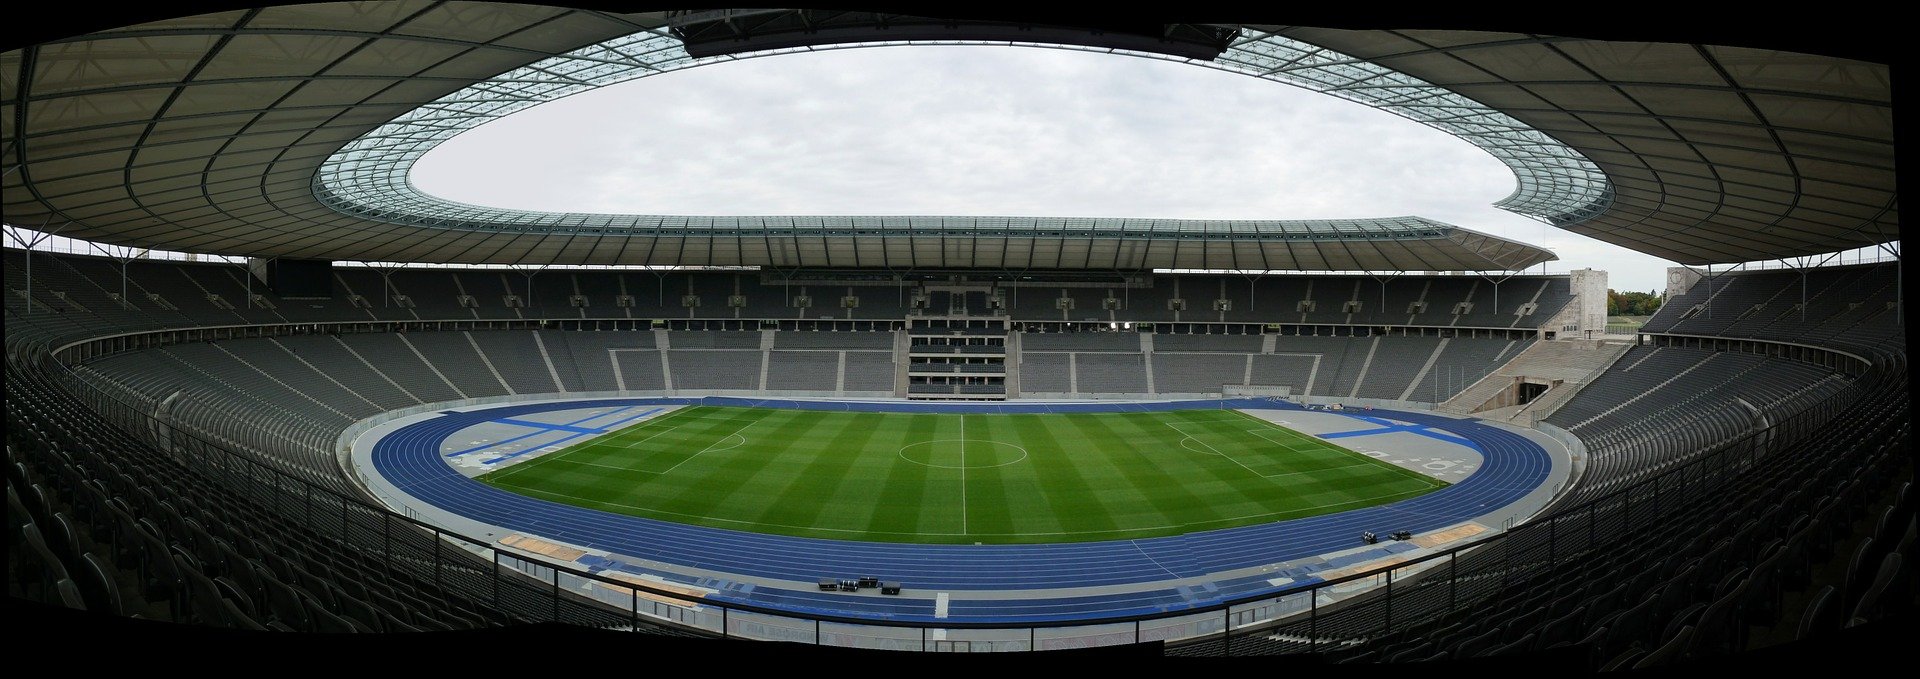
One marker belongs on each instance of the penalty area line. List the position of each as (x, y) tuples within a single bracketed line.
[(710, 446), (591, 444)]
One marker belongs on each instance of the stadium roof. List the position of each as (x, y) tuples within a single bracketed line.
[(289, 131), (1714, 154)]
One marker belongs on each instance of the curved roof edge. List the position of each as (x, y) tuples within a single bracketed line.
[(369, 177), (204, 134)]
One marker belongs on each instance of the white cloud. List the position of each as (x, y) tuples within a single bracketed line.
[(988, 131)]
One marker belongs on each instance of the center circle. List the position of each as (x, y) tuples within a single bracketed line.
[(959, 454)]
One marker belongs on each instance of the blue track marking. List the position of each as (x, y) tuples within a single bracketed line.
[(537, 430), (1370, 432), (496, 444), (551, 427), (1388, 427), (1512, 467), (610, 426)]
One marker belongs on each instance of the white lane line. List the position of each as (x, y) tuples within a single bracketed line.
[(1150, 559)]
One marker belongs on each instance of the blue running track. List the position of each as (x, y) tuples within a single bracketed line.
[(1513, 466)]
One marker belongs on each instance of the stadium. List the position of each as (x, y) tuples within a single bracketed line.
[(281, 388)]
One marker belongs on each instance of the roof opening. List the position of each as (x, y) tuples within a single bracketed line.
[(963, 130)]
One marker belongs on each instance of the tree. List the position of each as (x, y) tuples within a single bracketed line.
[(1632, 303)]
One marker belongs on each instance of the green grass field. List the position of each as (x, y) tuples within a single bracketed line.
[(944, 478)]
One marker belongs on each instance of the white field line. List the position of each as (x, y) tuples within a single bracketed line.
[(650, 438), (1291, 447), (604, 466), (963, 473), (1255, 432), (1216, 451), (1260, 515), (588, 445), (1322, 469), (1423, 477), (710, 446)]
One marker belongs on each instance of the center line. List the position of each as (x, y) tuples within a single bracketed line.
[(963, 473)]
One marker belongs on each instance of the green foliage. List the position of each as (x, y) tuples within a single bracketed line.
[(1632, 303)]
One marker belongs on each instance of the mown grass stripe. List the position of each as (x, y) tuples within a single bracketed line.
[(1027, 477)]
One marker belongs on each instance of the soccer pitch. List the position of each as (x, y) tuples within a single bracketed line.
[(950, 478)]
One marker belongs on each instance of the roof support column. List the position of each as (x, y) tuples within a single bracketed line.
[(1899, 267), (27, 244), (1390, 276), (1496, 287), (529, 272), (1709, 291), (1800, 265), (125, 255), (386, 280), (1252, 282)]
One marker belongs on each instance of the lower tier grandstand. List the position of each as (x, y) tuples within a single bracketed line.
[(207, 459)]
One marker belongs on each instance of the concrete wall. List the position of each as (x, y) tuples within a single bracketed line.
[(1509, 395), (1680, 279), (1589, 303)]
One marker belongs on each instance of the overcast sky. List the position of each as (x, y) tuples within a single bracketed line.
[(969, 130)]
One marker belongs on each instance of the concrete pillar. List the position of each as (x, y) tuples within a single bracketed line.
[(1589, 287)]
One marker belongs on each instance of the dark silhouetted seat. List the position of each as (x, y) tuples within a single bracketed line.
[(235, 618), (284, 605), (1479, 644), (1890, 584), (1822, 614), (1669, 652), (101, 589)]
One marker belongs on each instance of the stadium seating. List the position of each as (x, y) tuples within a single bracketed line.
[(87, 283), (1717, 482), (1846, 306)]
